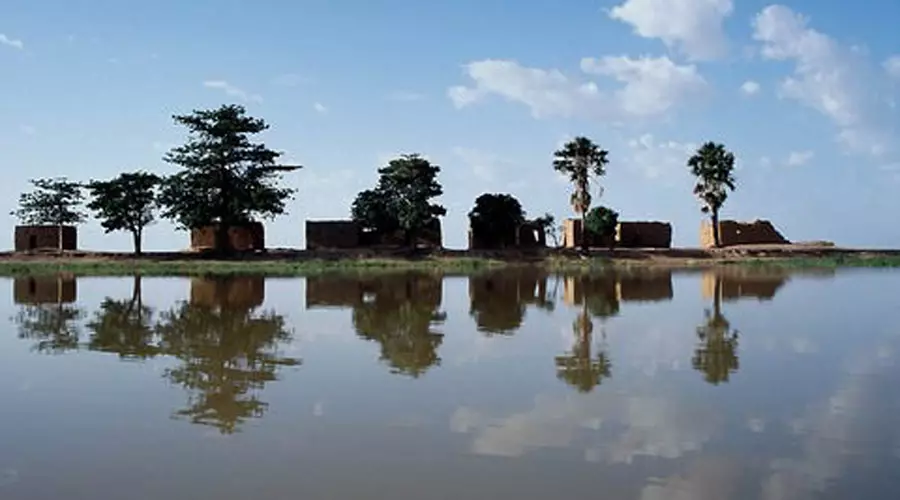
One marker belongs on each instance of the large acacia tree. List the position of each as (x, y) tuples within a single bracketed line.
[(54, 202), (125, 203), (713, 166), (496, 218), (226, 178), (580, 159)]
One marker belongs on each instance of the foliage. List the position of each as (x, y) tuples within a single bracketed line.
[(713, 166), (226, 179), (580, 368), (602, 221), (580, 159), (402, 198), (56, 201), (496, 218), (548, 224), (124, 327), (716, 355), (125, 203)]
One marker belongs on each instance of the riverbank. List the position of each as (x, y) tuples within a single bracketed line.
[(302, 262)]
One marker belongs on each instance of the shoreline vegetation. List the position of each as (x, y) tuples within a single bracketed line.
[(304, 262)]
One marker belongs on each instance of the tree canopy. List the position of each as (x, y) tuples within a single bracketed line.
[(56, 201), (580, 159), (402, 198), (713, 166), (125, 203), (496, 218), (602, 221), (226, 179)]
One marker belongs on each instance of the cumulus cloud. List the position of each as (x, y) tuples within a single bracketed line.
[(11, 42), (651, 87), (693, 27), (750, 88), (320, 108), (892, 66), (797, 158), (483, 166), (232, 90), (656, 158), (828, 77)]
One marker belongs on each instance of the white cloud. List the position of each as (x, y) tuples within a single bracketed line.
[(655, 159), (652, 87), (693, 27), (320, 108), (828, 77), (798, 158), (231, 90), (10, 42), (892, 66), (750, 88), (405, 96), (483, 166)]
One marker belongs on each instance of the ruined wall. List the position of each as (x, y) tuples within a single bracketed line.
[(531, 235), (29, 238), (45, 290), (759, 232), (244, 238), (244, 292), (644, 235), (324, 234), (571, 233)]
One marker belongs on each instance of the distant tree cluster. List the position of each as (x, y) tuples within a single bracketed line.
[(226, 180)]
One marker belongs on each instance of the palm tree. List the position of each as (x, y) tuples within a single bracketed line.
[(713, 165), (580, 159)]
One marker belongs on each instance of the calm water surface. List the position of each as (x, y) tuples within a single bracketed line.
[(521, 385)]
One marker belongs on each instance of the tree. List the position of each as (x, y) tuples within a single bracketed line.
[(547, 223), (580, 368), (402, 198), (601, 222), (226, 179), (125, 203), (581, 159), (125, 327), (55, 202), (713, 166), (495, 219)]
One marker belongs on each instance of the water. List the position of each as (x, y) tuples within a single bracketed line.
[(508, 385)]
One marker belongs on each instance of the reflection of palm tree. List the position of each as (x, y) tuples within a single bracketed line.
[(716, 356), (227, 357), (124, 327), (579, 368), (400, 318)]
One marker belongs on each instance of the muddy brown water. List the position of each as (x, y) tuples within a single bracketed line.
[(511, 384)]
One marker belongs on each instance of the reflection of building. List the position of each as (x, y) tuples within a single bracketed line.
[(243, 292), (45, 290), (649, 286), (735, 284), (498, 299)]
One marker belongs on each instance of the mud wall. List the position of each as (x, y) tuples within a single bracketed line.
[(323, 234), (644, 235), (759, 232), (243, 238), (29, 238)]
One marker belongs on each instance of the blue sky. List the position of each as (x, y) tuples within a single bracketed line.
[(803, 92)]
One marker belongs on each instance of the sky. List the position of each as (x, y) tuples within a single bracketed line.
[(804, 93)]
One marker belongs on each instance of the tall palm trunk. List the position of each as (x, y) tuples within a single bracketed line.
[(715, 227)]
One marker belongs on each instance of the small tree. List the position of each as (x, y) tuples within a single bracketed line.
[(602, 222), (547, 223), (402, 198), (713, 166), (496, 218), (125, 203), (226, 179), (580, 159), (54, 202)]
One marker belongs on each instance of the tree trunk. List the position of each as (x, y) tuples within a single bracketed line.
[(584, 233), (138, 247), (717, 297), (59, 236), (715, 227)]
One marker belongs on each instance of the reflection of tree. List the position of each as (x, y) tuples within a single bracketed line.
[(400, 317), (498, 299), (52, 327), (124, 327), (47, 315), (579, 368), (716, 355), (227, 355)]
